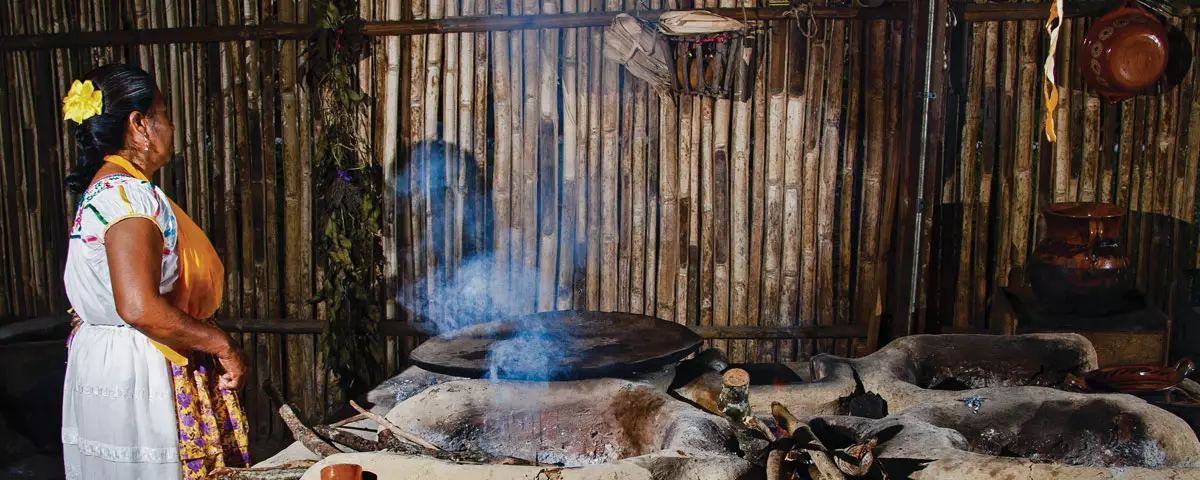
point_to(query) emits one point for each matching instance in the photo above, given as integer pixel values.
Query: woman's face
(160, 130)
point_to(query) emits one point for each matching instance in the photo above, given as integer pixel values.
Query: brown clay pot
(1124, 52)
(1081, 266)
(342, 471)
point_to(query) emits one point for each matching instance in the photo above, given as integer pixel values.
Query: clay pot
(1124, 52)
(1135, 379)
(1081, 266)
(342, 471)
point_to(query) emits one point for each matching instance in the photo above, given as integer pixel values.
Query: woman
(142, 398)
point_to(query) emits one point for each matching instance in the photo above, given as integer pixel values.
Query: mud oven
(623, 397)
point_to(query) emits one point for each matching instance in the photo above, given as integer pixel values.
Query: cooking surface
(558, 346)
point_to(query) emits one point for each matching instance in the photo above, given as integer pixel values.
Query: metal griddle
(589, 345)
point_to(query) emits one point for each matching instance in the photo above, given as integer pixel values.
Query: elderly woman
(149, 385)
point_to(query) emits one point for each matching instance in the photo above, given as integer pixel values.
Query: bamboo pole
(872, 171)
(518, 212)
(1006, 152)
(845, 298)
(242, 156)
(608, 171)
(480, 131)
(684, 314)
(582, 160)
(826, 188)
(529, 143)
(389, 104)
(1187, 180)
(719, 213)
(549, 163)
(417, 162)
(570, 154)
(694, 238)
(706, 194)
(983, 211)
(624, 197)
(1091, 147)
(501, 186)
(740, 200)
(773, 216)
(653, 155)
(452, 213)
(1027, 133)
(794, 128)
(228, 136)
(1062, 124)
(966, 181)
(636, 197)
(669, 186)
(810, 149)
(595, 172)
(466, 235)
(435, 179)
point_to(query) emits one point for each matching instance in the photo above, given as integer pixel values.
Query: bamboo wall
(529, 148)
(996, 170)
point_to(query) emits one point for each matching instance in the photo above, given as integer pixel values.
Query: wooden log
(1007, 148)
(334, 435)
(734, 400)
(694, 238)
(300, 431)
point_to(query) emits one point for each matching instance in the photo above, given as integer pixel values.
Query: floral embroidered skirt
(212, 424)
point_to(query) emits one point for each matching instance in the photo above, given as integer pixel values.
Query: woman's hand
(233, 362)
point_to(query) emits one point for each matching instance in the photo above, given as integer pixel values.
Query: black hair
(125, 89)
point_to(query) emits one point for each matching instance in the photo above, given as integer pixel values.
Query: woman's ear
(136, 123)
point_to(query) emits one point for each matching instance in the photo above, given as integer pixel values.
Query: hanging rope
(1049, 89)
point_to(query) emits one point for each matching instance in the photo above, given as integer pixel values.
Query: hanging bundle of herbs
(348, 183)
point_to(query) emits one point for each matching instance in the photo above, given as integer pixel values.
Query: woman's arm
(134, 250)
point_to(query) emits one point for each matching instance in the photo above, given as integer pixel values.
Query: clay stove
(965, 407)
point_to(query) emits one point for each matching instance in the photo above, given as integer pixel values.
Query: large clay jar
(1080, 266)
(1124, 52)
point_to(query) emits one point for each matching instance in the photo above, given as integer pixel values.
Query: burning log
(300, 431)
(383, 422)
(775, 464)
(806, 444)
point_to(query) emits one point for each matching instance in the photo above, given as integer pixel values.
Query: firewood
(332, 434)
(300, 431)
(383, 422)
(807, 444)
(288, 471)
(774, 464)
(389, 441)
(346, 421)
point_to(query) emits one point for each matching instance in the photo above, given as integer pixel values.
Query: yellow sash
(201, 280)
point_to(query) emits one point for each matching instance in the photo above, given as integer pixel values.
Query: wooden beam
(158, 36)
(458, 24)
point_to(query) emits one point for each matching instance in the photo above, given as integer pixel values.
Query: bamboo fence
(582, 188)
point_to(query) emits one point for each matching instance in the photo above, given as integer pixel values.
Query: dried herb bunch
(348, 201)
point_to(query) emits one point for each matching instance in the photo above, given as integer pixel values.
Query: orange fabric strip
(198, 291)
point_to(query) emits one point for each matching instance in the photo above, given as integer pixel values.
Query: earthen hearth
(967, 406)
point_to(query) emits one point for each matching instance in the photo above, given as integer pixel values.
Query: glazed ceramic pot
(1081, 266)
(342, 471)
(1124, 52)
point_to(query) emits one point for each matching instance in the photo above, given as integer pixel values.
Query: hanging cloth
(201, 281)
(1049, 89)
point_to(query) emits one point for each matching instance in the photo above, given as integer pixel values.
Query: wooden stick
(687, 154)
(1021, 212)
(653, 153)
(503, 158)
(570, 154)
(719, 214)
(812, 109)
(529, 155)
(334, 435)
(773, 218)
(983, 211)
(270, 473)
(872, 172)
(391, 427)
(763, 350)
(346, 421)
(300, 431)
(739, 199)
(610, 236)
(623, 205)
(582, 163)
(595, 168)
(451, 215)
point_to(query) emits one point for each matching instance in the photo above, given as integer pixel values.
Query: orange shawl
(201, 281)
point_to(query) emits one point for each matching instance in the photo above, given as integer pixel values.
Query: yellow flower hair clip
(82, 102)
